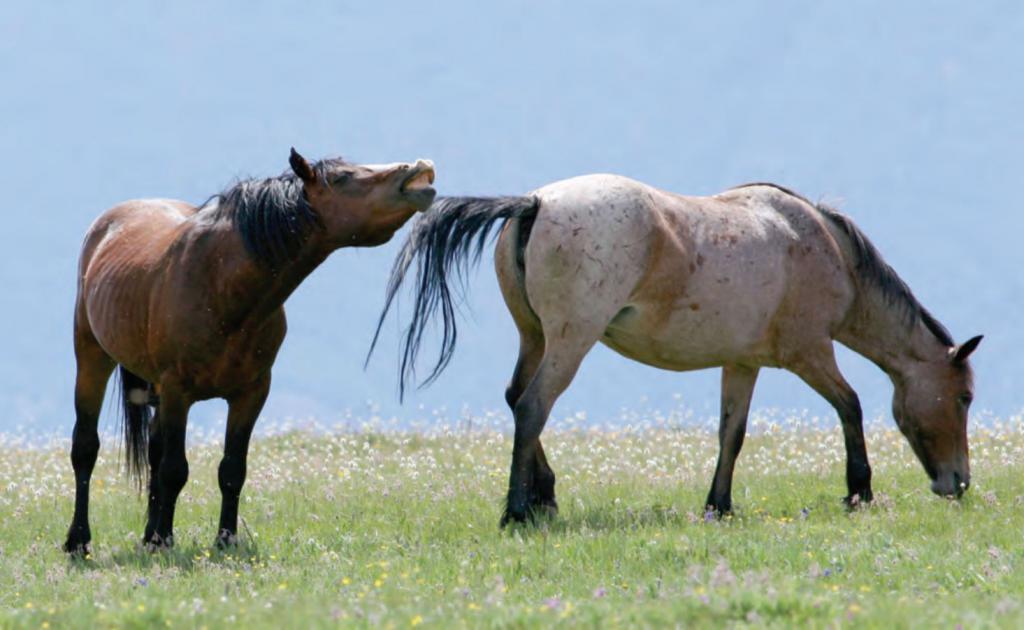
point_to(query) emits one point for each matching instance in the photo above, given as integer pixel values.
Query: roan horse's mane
(272, 215)
(872, 269)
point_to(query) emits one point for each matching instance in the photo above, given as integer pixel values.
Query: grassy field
(400, 530)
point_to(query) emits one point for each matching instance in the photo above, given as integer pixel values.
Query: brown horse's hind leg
(94, 368)
(737, 389)
(243, 410)
(173, 470)
(819, 370)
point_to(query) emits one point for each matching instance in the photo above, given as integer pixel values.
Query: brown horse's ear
(301, 167)
(964, 350)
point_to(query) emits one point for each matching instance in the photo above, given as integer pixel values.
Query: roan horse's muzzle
(951, 483)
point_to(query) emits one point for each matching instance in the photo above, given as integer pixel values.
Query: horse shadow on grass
(612, 517)
(607, 518)
(187, 558)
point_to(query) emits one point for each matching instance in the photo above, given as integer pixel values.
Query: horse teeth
(423, 180)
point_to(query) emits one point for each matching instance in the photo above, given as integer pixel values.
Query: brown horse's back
(123, 257)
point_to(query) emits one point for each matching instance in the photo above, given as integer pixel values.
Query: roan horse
(188, 301)
(755, 276)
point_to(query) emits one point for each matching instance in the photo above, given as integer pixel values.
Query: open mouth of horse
(419, 182)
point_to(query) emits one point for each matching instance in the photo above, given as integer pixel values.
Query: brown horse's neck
(878, 330)
(279, 284)
(251, 290)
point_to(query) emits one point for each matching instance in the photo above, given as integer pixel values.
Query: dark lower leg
(155, 456)
(173, 470)
(94, 369)
(737, 389)
(242, 414)
(858, 471)
(542, 493)
(85, 446)
(823, 375)
(530, 417)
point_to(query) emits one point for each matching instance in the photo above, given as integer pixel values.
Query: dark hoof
(858, 498)
(226, 540)
(76, 548)
(158, 543)
(516, 516)
(713, 510)
(546, 510)
(77, 542)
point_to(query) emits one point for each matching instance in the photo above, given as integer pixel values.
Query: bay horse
(756, 276)
(188, 301)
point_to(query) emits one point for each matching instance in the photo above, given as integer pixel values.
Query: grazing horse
(752, 277)
(188, 301)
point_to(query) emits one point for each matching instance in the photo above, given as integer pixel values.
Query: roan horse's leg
(737, 388)
(173, 471)
(531, 350)
(558, 366)
(243, 410)
(819, 370)
(94, 368)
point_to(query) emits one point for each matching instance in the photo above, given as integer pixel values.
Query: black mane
(272, 215)
(872, 268)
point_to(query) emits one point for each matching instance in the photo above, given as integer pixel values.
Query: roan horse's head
(930, 406)
(364, 205)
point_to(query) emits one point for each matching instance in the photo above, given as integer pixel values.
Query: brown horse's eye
(340, 179)
(965, 399)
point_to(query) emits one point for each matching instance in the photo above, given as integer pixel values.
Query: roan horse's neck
(888, 336)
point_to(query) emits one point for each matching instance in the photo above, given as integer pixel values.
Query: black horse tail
(135, 417)
(449, 237)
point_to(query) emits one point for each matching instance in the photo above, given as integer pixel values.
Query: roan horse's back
(685, 282)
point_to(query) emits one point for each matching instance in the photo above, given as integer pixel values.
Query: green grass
(400, 529)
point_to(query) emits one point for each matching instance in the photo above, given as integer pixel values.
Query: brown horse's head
(930, 405)
(364, 205)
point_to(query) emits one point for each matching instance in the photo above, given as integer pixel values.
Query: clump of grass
(400, 529)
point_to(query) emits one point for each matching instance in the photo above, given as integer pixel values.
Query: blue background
(908, 116)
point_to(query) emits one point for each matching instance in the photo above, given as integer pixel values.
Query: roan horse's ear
(301, 167)
(964, 350)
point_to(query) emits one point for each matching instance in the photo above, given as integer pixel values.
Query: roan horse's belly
(721, 313)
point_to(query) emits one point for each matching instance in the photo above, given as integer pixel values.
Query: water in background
(907, 117)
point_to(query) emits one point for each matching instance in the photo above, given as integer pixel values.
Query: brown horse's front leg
(155, 455)
(243, 411)
(737, 389)
(173, 470)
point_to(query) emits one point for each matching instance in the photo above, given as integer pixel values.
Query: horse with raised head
(188, 301)
(756, 276)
